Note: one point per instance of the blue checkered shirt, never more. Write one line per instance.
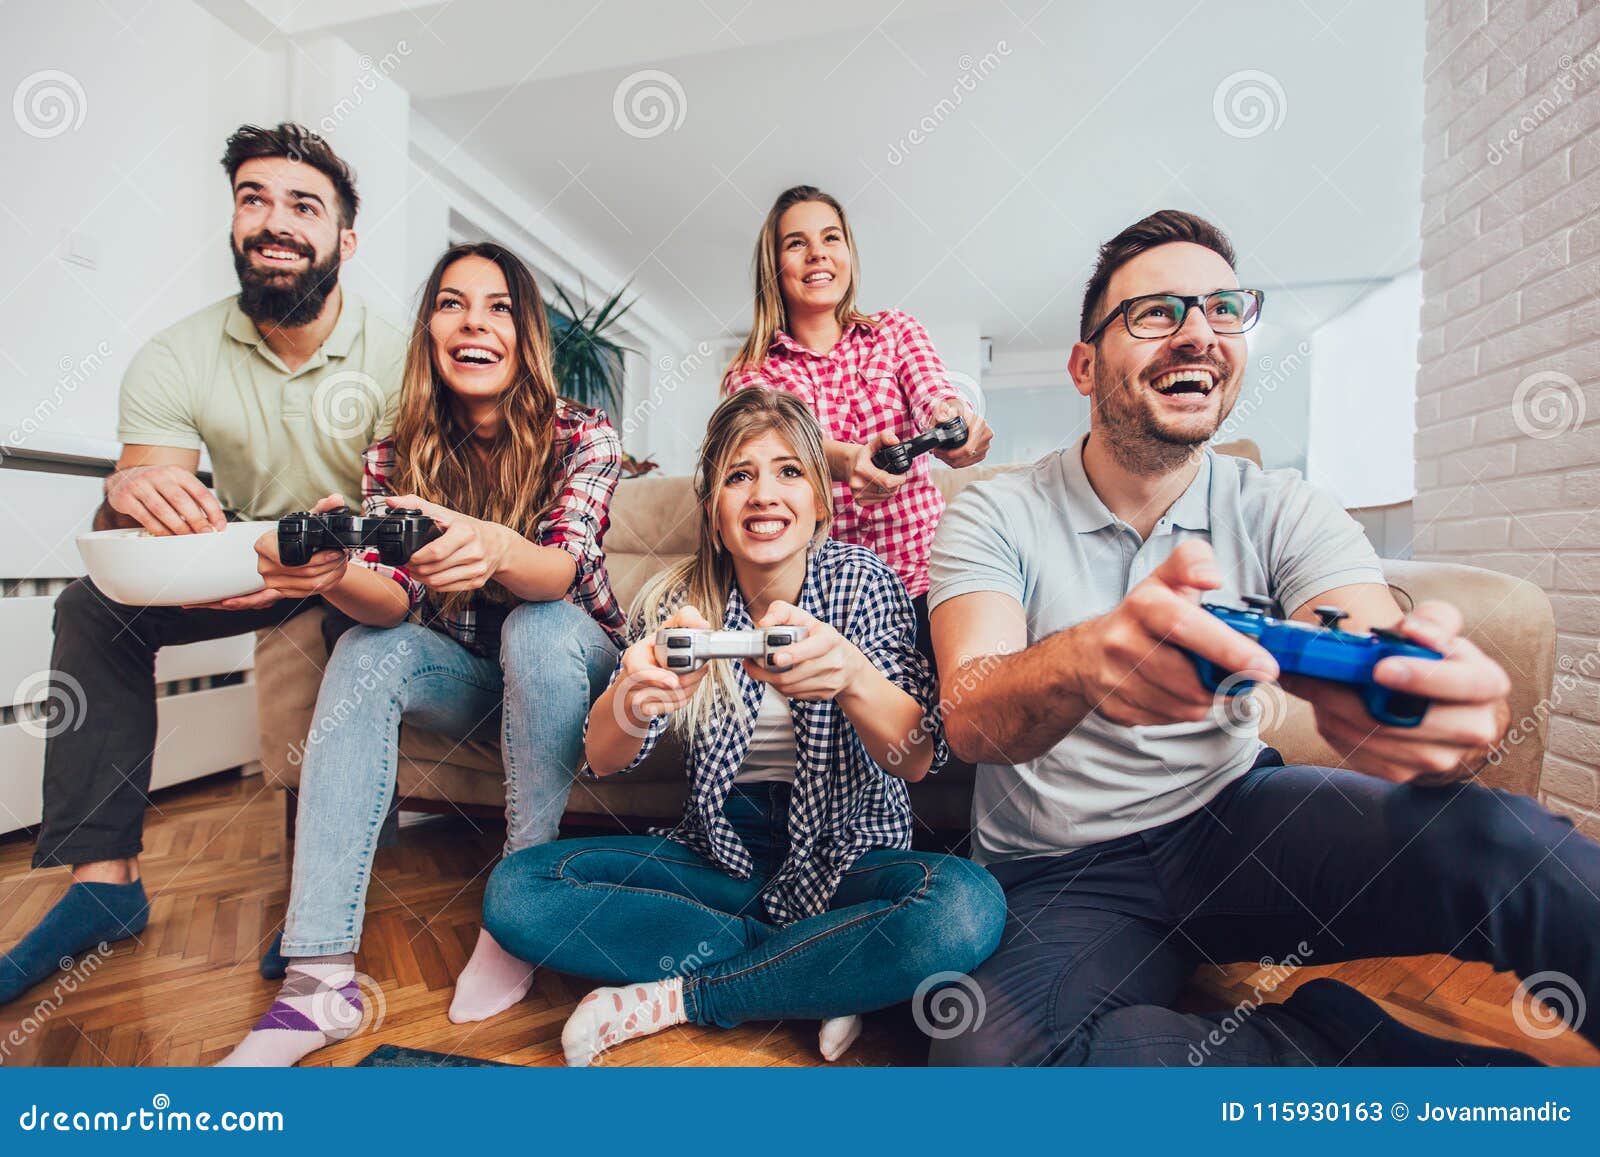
(843, 803)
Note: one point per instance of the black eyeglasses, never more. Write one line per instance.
(1156, 315)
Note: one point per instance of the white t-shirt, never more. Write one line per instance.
(772, 753)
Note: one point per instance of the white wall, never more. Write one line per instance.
(354, 101)
(136, 184)
(1035, 409)
(1363, 397)
(668, 422)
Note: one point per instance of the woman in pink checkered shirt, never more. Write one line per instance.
(872, 380)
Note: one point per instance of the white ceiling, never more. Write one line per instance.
(1090, 115)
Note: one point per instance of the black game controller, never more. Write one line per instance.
(897, 459)
(396, 536)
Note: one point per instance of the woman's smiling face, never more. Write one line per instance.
(814, 267)
(766, 508)
(474, 329)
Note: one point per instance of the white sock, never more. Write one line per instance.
(319, 1003)
(837, 1034)
(492, 982)
(609, 1016)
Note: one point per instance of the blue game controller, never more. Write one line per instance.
(1323, 652)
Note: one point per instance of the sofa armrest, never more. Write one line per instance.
(1510, 618)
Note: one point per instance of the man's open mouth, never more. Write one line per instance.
(280, 254)
(1190, 381)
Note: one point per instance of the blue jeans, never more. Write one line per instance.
(625, 909)
(554, 660)
(1305, 866)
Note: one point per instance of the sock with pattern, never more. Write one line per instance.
(318, 1004)
(609, 1016)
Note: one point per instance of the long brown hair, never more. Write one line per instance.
(704, 578)
(770, 312)
(434, 457)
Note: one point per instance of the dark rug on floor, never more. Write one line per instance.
(400, 1057)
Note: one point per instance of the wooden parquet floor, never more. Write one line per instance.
(216, 868)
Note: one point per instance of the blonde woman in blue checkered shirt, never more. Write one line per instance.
(788, 889)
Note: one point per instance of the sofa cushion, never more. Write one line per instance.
(653, 526)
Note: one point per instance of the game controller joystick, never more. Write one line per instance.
(1322, 652)
(689, 648)
(396, 535)
(897, 459)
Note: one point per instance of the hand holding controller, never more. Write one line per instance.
(396, 535)
(897, 459)
(685, 649)
(1322, 652)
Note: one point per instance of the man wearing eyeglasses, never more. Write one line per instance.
(1137, 831)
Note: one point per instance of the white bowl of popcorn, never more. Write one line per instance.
(142, 569)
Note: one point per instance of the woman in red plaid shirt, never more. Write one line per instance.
(504, 626)
(871, 380)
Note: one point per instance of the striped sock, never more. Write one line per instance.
(318, 1004)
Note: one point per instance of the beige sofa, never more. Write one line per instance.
(653, 525)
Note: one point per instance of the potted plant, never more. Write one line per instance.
(587, 361)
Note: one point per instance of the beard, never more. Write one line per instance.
(1142, 442)
(281, 298)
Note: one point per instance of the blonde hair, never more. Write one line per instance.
(771, 314)
(433, 453)
(704, 579)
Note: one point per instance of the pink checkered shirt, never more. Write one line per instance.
(883, 376)
(589, 454)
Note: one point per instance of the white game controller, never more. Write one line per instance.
(688, 648)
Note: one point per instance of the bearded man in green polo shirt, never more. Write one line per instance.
(283, 385)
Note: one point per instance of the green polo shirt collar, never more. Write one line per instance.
(352, 316)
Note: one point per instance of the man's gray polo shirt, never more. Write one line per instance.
(1042, 536)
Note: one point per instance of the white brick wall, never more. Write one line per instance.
(1511, 302)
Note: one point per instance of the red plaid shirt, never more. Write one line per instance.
(883, 376)
(590, 463)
